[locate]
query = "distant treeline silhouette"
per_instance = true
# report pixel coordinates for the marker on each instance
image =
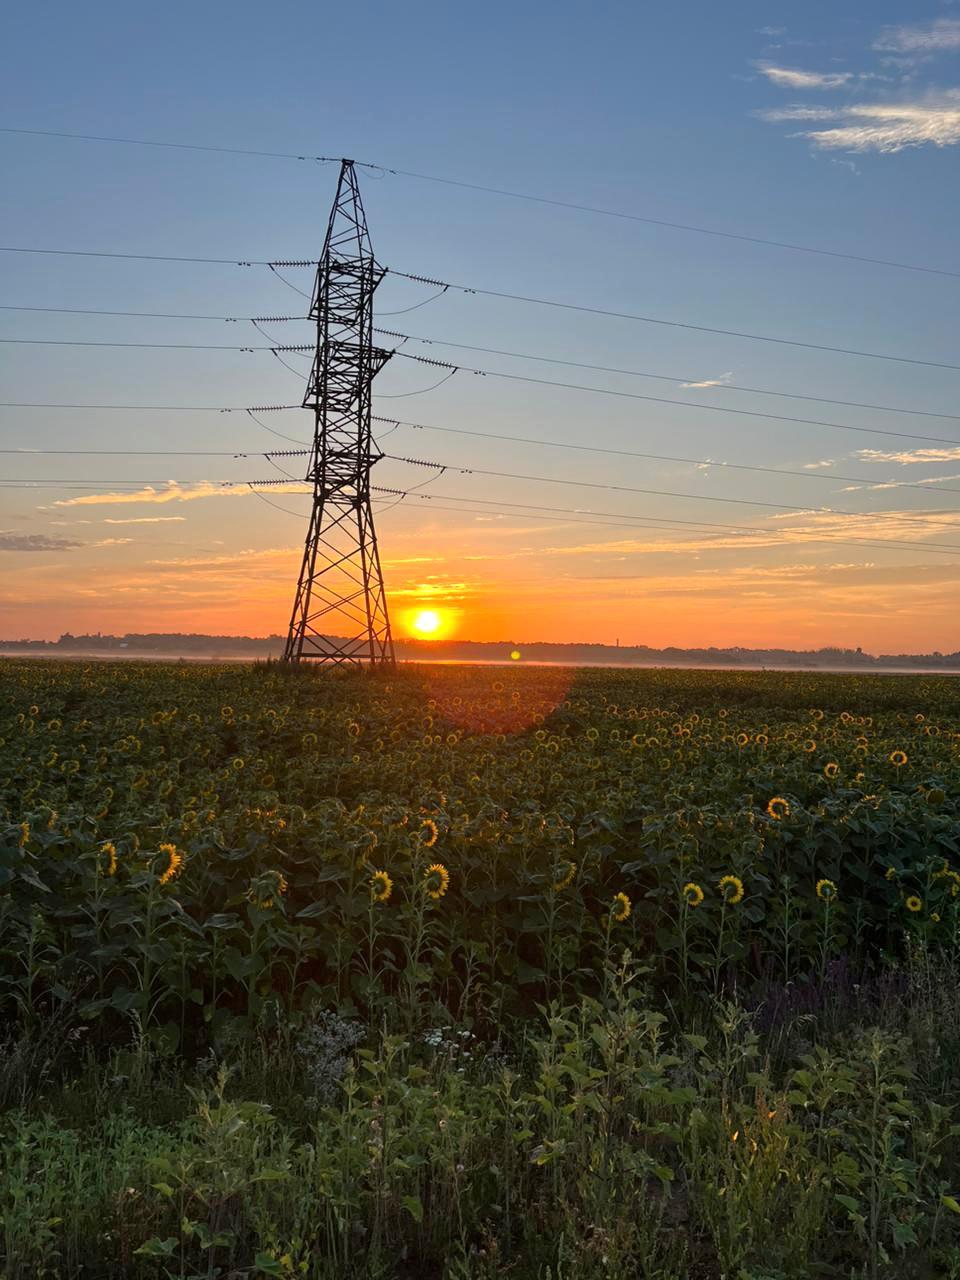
(193, 645)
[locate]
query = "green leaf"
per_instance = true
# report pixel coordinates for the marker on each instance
(413, 1206)
(950, 1203)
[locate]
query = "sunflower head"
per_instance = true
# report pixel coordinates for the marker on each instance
(826, 890)
(732, 889)
(174, 863)
(430, 832)
(914, 904)
(109, 851)
(437, 880)
(898, 758)
(693, 894)
(809, 746)
(381, 886)
(890, 873)
(567, 879)
(620, 908)
(831, 769)
(778, 808)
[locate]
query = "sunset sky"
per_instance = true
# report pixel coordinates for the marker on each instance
(835, 126)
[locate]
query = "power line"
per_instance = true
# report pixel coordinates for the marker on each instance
(660, 457)
(712, 408)
(682, 379)
(828, 477)
(135, 257)
(542, 302)
(666, 493)
(513, 195)
(155, 408)
(485, 373)
(671, 324)
(698, 526)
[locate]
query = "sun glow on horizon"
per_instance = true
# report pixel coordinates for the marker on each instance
(427, 623)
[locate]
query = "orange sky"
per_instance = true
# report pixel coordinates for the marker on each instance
(491, 577)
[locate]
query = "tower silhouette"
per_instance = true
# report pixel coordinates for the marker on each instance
(340, 609)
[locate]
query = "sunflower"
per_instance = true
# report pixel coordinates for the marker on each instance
(109, 851)
(693, 894)
(238, 763)
(831, 769)
(914, 904)
(809, 746)
(381, 886)
(898, 758)
(261, 892)
(890, 873)
(826, 890)
(433, 832)
(732, 889)
(437, 879)
(24, 834)
(935, 917)
(778, 808)
(742, 739)
(174, 863)
(567, 879)
(620, 908)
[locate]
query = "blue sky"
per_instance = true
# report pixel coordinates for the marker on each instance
(833, 126)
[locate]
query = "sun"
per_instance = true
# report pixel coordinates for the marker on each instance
(426, 622)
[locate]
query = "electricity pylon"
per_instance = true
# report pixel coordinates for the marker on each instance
(340, 608)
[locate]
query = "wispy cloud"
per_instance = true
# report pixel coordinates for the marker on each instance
(794, 78)
(141, 520)
(908, 457)
(35, 542)
(723, 381)
(892, 127)
(940, 36)
(174, 492)
(813, 466)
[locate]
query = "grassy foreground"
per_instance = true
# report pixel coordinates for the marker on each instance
(466, 972)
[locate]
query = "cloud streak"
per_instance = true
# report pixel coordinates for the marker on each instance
(940, 36)
(886, 127)
(35, 542)
(793, 78)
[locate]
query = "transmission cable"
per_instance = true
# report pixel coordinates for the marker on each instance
(660, 457)
(635, 395)
(672, 324)
(502, 191)
(681, 379)
(923, 521)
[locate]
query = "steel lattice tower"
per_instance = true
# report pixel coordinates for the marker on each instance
(340, 609)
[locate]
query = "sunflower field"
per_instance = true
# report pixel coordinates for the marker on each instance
(478, 971)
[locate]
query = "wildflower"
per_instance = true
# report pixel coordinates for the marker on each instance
(831, 769)
(914, 903)
(110, 852)
(174, 863)
(381, 886)
(826, 890)
(567, 880)
(778, 808)
(935, 917)
(432, 830)
(620, 908)
(693, 894)
(437, 879)
(891, 873)
(898, 758)
(732, 889)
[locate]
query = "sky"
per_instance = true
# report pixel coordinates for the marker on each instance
(834, 126)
